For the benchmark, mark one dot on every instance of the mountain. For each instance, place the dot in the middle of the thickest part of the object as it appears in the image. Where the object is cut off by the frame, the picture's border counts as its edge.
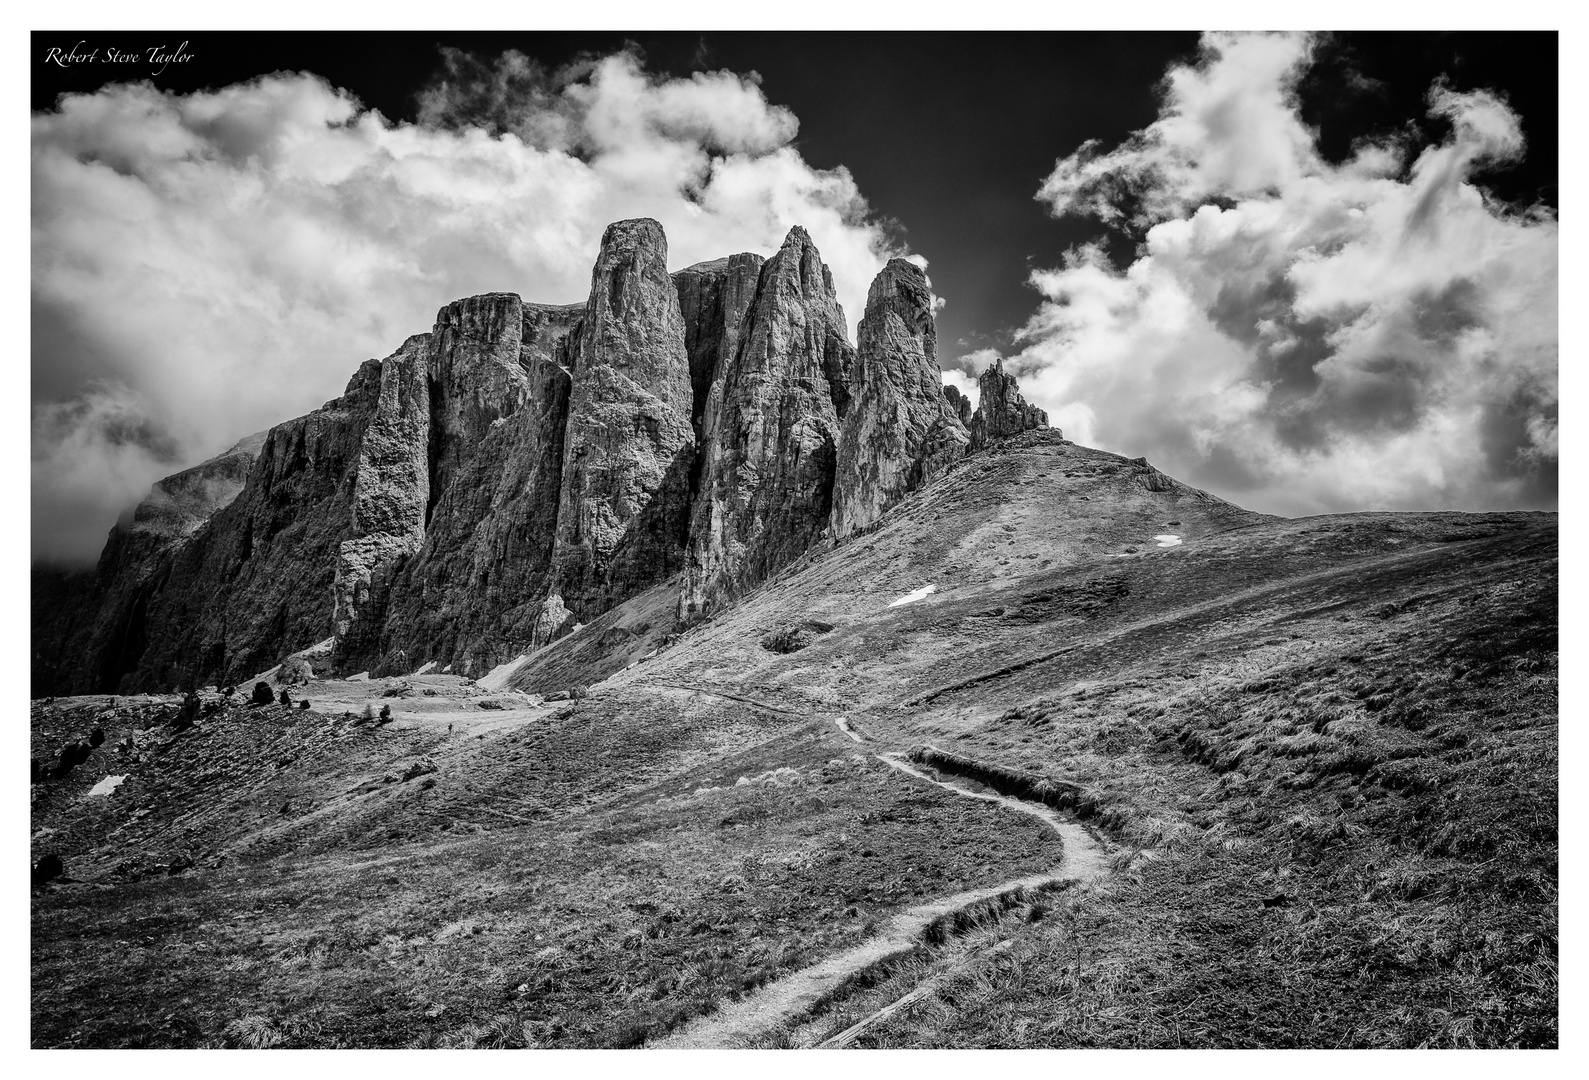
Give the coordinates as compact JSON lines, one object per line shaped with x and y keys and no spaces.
{"x":791,"y":702}
{"x":1303,"y":773}
{"x":523,"y":469}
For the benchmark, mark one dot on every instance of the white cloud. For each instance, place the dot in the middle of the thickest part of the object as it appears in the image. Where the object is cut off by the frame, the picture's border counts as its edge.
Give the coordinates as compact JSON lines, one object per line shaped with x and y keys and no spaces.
{"x":1327,"y":337}
{"x":226,"y":259}
{"x":963,"y":383}
{"x":977,"y":361}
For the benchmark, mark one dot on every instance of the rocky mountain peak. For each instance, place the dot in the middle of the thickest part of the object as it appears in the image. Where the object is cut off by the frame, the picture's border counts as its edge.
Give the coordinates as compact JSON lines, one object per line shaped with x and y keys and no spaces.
{"x":770,"y":430}
{"x":900,"y":431}
{"x":629,"y":444}
{"x":901,"y":289}
{"x":523,"y":468}
{"x":1001,"y":410}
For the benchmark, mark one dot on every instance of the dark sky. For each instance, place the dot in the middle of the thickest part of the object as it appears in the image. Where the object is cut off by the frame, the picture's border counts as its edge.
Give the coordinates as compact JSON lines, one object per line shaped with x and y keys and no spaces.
{"x":947,"y":134}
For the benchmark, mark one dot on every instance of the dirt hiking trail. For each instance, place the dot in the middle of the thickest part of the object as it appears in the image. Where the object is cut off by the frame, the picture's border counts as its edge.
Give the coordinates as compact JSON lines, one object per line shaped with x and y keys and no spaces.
{"x":798,"y":993}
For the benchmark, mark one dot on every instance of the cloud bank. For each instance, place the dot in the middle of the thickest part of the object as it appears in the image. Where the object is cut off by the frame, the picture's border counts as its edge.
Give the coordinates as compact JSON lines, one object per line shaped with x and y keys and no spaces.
{"x":207,"y":265}
{"x":1299,"y":335}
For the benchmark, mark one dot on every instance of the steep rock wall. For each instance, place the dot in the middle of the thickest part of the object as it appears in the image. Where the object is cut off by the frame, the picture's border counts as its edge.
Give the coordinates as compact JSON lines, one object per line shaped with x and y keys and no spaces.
{"x":629,"y":445}
{"x":526,"y":467}
{"x":901,"y":431}
{"x":770,"y":432}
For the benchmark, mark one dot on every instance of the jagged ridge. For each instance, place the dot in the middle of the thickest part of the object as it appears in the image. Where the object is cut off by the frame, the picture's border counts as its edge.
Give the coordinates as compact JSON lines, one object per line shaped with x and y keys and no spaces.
{"x":523,"y":468}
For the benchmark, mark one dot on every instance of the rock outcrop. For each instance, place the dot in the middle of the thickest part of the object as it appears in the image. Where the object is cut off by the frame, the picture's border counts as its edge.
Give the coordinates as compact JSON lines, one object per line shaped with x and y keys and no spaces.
{"x":472,"y":593}
{"x":1001,"y":411}
{"x":901,"y":430}
{"x":770,"y":430}
{"x":629,"y":445}
{"x":959,"y":404}
{"x":524,"y":468}
{"x":713,"y":299}
{"x":391,"y":493}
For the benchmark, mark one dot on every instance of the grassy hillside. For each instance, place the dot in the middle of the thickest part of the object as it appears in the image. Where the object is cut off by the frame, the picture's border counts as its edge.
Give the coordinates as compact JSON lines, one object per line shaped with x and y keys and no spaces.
{"x":1320,"y":753}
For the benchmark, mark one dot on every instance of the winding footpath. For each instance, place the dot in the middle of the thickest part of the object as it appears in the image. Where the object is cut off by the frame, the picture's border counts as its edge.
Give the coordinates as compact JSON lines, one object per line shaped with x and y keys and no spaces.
{"x":796,"y":994}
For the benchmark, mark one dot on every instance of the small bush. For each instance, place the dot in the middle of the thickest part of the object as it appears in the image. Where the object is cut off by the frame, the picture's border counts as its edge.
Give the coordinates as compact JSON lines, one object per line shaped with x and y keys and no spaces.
{"x":73,"y":754}
{"x":792,"y":637}
{"x":188,"y":715}
{"x":262,"y":694}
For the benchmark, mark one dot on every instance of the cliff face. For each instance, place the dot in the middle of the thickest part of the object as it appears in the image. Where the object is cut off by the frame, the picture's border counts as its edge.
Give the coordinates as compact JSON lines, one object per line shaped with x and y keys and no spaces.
{"x":771,"y":430}
{"x":523,"y":468}
{"x":901,"y":430}
{"x":259,"y":572}
{"x":713,"y":299}
{"x":629,"y":445}
{"x":499,"y":375}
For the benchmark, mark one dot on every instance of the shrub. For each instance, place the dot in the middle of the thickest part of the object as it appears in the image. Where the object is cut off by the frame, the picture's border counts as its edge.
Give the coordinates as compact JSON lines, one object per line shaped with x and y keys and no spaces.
{"x":286,"y":698}
{"x":792,"y":637}
{"x":262,"y":694}
{"x":188,"y":715}
{"x":73,"y":754}
{"x":294,"y":671}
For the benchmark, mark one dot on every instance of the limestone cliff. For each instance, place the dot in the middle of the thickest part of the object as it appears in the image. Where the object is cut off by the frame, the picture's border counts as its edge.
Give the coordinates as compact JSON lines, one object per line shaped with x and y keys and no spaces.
{"x":901,"y":430}
{"x":629,"y":445}
{"x":523,"y":468}
{"x":472,"y":592}
{"x":770,"y":430}
{"x":713,"y":299}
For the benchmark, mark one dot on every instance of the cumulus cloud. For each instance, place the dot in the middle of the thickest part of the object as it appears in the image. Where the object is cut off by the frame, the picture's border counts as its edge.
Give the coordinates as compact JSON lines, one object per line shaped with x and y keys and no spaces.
{"x":1300,"y":335}
{"x":206,"y":265}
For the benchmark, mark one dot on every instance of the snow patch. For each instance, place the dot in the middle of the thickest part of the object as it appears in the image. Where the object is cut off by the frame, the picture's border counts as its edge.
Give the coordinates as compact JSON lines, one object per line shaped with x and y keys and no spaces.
{"x":1168,"y":540}
{"x":107,"y":785}
{"x":363,"y":676}
{"x":912,"y":597}
{"x":426,"y":669}
{"x":498,"y":676}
